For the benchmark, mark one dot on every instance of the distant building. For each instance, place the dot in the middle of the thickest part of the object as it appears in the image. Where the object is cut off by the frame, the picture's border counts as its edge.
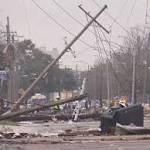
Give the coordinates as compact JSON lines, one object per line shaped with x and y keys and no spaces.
{"x":63,"y":94}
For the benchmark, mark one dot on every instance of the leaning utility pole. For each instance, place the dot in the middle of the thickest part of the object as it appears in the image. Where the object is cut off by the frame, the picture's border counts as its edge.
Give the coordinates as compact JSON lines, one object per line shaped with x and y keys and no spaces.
{"x":21,"y":99}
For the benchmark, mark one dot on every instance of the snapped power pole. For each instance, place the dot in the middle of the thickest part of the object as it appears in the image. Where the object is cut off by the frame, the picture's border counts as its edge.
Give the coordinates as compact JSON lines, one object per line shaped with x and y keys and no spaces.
{"x":38,"y":108}
{"x":21,"y":99}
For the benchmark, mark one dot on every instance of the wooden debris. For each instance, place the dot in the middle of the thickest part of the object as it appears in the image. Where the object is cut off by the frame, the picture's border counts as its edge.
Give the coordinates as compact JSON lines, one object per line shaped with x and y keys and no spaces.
{"x":89,"y":132}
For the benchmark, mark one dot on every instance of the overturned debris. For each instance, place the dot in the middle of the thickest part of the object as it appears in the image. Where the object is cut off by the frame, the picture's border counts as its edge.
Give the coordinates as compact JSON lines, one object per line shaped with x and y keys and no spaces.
{"x":131,"y":130}
{"x":133,"y":114}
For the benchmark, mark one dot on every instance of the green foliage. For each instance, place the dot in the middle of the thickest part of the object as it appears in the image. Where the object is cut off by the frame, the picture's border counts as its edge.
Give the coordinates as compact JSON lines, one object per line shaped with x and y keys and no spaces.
{"x":68,"y":81}
{"x":34,"y":61}
{"x":61,"y":79}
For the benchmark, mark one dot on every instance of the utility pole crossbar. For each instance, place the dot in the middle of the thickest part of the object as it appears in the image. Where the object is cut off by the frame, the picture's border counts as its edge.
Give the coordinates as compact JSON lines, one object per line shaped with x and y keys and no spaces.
{"x":80,"y":6}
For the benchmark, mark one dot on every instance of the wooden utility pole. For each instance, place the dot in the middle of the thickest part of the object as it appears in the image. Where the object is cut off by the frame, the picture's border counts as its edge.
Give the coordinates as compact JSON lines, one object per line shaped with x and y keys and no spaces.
{"x":21,"y":99}
{"x":145,"y":62}
{"x":8,"y":31}
{"x":108,"y":73}
{"x":54,"y":103}
{"x":133,"y":76}
{"x":99,"y":82}
{"x":134,"y":100}
{"x":108,"y":83}
{"x":10,"y":52}
{"x":10,"y":58}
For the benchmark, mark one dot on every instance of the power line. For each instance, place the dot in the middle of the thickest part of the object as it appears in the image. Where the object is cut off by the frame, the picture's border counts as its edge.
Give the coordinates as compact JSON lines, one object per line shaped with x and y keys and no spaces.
{"x":130,"y":14}
{"x":26,"y":16}
{"x":114,"y":53}
{"x":76,"y":20}
{"x":66,"y":12}
{"x":120,"y":13}
{"x":114,"y":71}
{"x":114,"y":44}
{"x":146,"y":14}
{"x":97,"y":42}
{"x":147,"y":18}
{"x":60,"y":25}
{"x":115,"y":20}
{"x":99,"y":35}
{"x":2,"y":26}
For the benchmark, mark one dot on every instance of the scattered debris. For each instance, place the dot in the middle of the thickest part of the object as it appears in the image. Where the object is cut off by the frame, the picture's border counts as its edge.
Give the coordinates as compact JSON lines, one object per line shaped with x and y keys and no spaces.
{"x":131,"y":130}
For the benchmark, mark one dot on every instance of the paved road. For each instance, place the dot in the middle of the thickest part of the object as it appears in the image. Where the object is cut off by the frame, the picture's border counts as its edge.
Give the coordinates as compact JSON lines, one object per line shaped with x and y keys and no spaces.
{"x":53,"y":128}
{"x":119,"y":145}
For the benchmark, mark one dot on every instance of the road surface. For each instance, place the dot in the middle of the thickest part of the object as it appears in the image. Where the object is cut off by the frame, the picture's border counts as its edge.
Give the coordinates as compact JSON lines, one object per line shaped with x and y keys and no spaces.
{"x":104,"y":145}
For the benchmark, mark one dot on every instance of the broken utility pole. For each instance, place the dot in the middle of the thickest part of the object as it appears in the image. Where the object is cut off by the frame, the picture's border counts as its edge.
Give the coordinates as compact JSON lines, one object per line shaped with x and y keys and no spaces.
{"x":55,"y":103}
{"x":21,"y":99}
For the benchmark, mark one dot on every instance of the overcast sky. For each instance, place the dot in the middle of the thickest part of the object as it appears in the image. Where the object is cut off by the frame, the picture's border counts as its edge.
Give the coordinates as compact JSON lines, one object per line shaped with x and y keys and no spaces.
{"x":32,"y":23}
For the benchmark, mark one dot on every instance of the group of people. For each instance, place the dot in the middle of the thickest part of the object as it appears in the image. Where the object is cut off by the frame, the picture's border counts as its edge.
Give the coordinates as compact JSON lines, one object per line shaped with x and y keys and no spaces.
{"x":119,"y":102}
